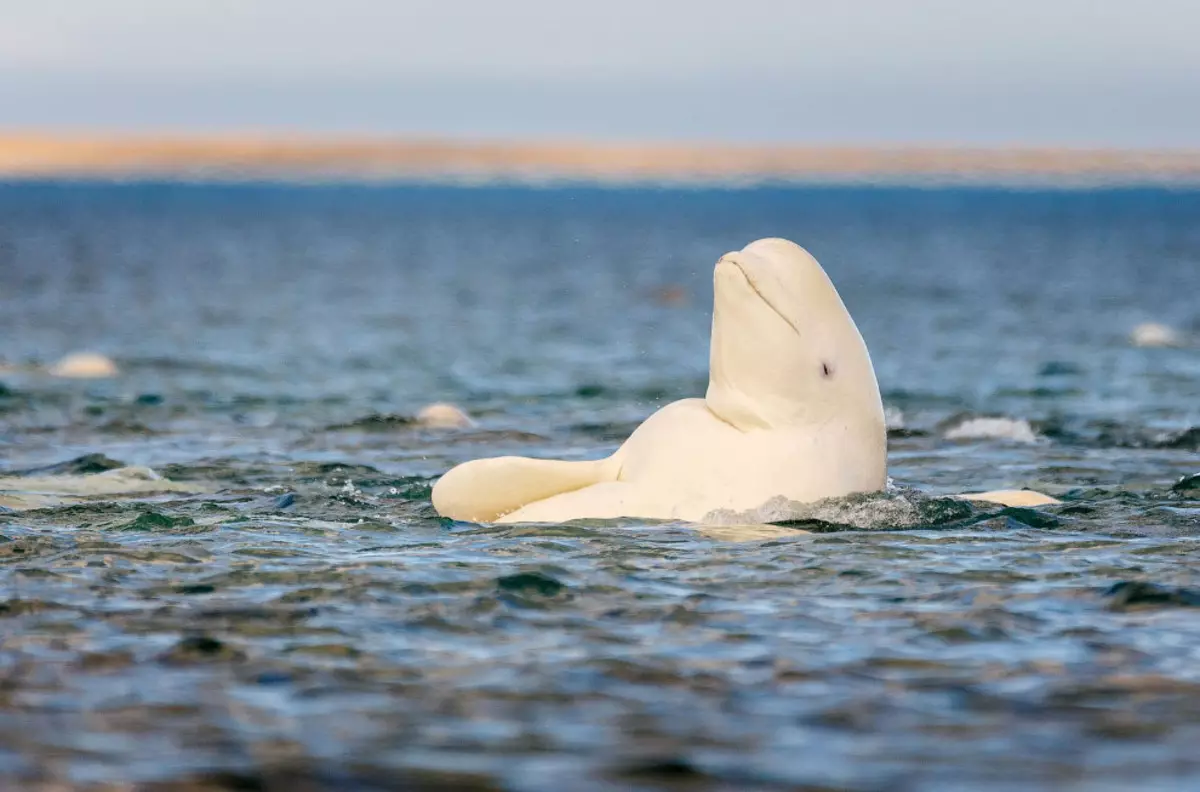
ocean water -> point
(304, 620)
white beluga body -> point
(792, 410)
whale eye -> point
(826, 369)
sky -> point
(833, 72)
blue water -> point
(309, 619)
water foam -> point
(894, 508)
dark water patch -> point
(916, 399)
(80, 515)
(1060, 368)
(590, 391)
(665, 770)
(123, 427)
(201, 649)
(332, 472)
(530, 585)
(1098, 495)
(104, 662)
(25, 607)
(482, 436)
(1038, 394)
(1119, 434)
(1136, 595)
(813, 525)
(1188, 486)
(228, 471)
(166, 364)
(413, 488)
(389, 422)
(1187, 440)
(194, 589)
(313, 775)
(904, 433)
(1032, 518)
(21, 549)
(152, 521)
(88, 463)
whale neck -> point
(745, 412)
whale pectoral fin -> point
(608, 500)
(487, 489)
(1011, 497)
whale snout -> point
(725, 262)
(731, 269)
(733, 262)
(728, 266)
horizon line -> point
(289, 156)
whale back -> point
(785, 351)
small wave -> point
(376, 422)
(188, 365)
(88, 463)
(500, 436)
(1112, 434)
(985, 428)
(1187, 440)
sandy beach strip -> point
(299, 158)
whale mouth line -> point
(763, 297)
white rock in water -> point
(443, 416)
(1153, 334)
(84, 365)
(36, 492)
(1023, 498)
(1016, 429)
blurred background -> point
(245, 246)
(927, 72)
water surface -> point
(308, 619)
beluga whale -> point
(792, 410)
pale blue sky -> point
(1075, 72)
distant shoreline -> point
(226, 158)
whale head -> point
(784, 349)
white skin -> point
(792, 409)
